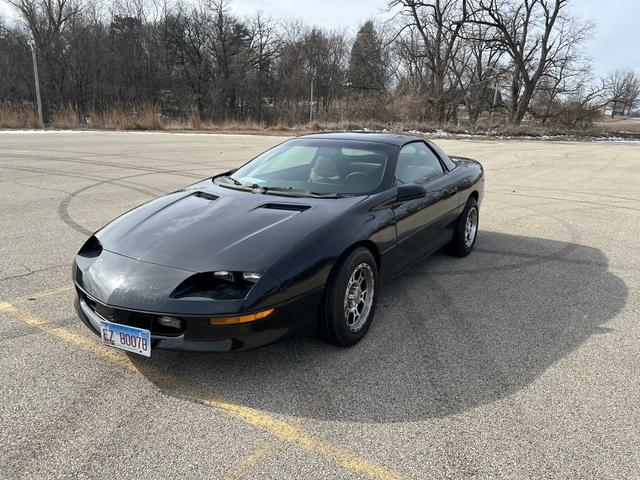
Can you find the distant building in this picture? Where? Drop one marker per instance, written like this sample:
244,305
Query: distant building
617,112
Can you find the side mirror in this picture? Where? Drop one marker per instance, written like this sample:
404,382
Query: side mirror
410,192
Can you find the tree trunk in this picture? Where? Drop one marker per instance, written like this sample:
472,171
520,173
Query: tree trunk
522,106
474,114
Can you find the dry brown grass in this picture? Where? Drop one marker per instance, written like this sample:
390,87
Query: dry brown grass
608,119
65,118
145,117
612,128
18,116
149,117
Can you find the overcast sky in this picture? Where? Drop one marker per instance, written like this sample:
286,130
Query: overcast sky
615,44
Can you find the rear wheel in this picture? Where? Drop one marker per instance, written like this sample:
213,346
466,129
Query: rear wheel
350,300
466,232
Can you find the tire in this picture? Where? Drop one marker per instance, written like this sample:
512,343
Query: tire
464,239
345,320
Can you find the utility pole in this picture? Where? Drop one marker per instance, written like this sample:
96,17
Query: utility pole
37,80
311,101
495,99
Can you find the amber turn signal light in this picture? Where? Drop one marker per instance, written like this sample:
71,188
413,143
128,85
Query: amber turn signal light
241,319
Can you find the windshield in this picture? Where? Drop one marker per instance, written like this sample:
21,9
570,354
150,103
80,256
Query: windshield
318,166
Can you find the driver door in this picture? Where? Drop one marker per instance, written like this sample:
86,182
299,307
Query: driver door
421,224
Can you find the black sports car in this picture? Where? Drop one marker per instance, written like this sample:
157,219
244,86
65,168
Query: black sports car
297,239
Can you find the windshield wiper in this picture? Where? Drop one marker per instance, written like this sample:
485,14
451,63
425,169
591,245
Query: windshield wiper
297,192
239,183
281,189
276,190
327,195
229,177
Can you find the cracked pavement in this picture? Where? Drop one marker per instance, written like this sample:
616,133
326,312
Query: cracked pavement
519,361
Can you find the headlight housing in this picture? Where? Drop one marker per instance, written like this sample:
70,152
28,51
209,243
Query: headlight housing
252,277
92,248
218,285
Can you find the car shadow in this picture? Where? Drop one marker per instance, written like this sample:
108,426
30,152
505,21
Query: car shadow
449,335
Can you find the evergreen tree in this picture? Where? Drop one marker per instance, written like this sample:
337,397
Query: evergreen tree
366,64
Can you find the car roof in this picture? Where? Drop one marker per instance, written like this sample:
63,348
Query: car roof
379,137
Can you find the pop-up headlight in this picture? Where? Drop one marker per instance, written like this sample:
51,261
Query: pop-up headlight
218,285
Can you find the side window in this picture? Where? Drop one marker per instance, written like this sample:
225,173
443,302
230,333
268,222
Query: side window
417,164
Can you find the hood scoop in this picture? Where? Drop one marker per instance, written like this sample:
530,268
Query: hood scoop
206,195
288,207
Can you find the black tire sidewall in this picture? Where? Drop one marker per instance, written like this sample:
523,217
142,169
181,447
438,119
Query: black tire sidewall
336,324
461,249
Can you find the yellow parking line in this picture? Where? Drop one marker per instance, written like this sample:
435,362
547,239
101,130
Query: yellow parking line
602,169
68,336
533,229
280,429
268,446
246,465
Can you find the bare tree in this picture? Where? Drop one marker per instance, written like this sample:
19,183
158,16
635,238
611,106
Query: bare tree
16,73
536,35
87,59
438,24
194,59
411,72
476,67
265,48
623,91
229,43
186,44
48,22
569,76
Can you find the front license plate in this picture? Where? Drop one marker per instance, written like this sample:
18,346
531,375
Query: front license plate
131,339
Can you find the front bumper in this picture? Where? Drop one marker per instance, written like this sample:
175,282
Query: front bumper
290,318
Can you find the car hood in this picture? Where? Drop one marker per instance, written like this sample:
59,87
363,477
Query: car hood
207,227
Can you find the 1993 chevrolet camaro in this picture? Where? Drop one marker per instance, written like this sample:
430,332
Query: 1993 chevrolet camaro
298,239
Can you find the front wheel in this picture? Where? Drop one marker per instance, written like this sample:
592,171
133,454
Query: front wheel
466,232
350,300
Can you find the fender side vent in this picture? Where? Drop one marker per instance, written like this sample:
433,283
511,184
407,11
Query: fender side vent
207,196
286,206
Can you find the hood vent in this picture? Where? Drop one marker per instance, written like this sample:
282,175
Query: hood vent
207,196
290,207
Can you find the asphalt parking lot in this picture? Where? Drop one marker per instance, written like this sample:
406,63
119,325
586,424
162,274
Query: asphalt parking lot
519,361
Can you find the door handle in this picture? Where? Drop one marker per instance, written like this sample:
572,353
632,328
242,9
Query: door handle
450,191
